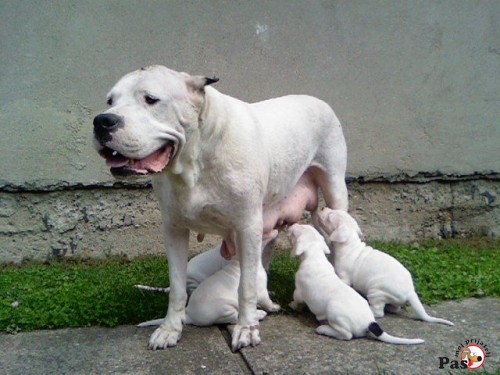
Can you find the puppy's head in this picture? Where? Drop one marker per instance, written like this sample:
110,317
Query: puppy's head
304,238
152,114
337,226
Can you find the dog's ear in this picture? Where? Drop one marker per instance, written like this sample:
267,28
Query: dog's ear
340,235
196,87
198,83
297,250
359,232
326,249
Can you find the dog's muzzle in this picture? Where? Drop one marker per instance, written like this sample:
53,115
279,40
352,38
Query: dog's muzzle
121,165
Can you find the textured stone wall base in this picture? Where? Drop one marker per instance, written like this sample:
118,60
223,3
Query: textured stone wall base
108,221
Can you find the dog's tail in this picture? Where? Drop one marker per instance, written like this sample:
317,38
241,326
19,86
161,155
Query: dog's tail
420,311
378,332
159,322
151,323
153,288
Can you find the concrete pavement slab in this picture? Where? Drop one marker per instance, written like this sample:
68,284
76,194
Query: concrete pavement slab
121,350
291,346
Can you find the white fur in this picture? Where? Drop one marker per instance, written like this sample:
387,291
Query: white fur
374,274
199,268
234,164
213,286
344,312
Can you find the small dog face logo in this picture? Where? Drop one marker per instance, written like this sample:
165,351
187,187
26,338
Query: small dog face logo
474,355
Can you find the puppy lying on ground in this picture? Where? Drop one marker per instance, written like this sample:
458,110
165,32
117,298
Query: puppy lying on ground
346,314
215,300
376,275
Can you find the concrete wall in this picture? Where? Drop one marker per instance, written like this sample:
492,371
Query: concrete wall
415,84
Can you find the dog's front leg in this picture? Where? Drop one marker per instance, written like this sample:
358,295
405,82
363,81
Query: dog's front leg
169,332
249,242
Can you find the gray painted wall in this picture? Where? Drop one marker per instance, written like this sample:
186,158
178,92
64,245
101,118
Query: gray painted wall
415,83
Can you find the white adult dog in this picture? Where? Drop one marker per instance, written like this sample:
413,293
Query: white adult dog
374,274
220,166
342,312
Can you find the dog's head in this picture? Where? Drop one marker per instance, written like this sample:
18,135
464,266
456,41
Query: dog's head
337,225
151,114
304,238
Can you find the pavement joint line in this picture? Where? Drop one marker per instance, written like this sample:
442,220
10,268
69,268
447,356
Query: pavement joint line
244,364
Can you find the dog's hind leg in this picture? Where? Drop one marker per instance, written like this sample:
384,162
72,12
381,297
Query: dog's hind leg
377,301
334,331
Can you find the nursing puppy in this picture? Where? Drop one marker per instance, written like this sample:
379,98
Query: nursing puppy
346,314
215,300
374,274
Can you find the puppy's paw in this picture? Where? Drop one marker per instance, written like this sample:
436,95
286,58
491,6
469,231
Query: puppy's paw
377,312
274,308
243,336
393,309
163,337
261,314
294,305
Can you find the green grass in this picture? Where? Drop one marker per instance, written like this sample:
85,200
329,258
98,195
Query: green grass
76,293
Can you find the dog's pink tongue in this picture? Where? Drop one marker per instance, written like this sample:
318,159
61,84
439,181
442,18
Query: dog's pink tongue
155,162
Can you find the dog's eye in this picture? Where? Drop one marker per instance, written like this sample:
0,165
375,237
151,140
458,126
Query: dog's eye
110,101
151,100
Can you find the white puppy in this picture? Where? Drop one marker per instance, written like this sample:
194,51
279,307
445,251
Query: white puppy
346,314
215,299
219,166
199,268
374,274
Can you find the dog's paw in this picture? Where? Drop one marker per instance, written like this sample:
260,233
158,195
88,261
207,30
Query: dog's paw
274,308
243,336
164,337
261,314
378,312
294,305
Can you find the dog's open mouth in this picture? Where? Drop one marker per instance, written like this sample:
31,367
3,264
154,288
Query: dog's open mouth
121,166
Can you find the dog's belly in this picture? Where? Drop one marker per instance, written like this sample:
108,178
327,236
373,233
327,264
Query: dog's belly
289,210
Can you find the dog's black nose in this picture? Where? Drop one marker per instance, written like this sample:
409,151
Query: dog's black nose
104,125
107,121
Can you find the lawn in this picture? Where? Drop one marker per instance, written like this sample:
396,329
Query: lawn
76,293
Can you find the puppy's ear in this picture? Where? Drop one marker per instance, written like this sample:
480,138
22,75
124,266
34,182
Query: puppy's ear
360,234
326,249
340,235
297,250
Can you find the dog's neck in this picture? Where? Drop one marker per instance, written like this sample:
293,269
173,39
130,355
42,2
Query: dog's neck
203,139
348,252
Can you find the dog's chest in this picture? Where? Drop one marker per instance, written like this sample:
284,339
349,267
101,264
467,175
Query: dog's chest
198,208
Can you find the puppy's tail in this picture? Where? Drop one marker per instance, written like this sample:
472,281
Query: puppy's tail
153,288
375,330
151,323
420,311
